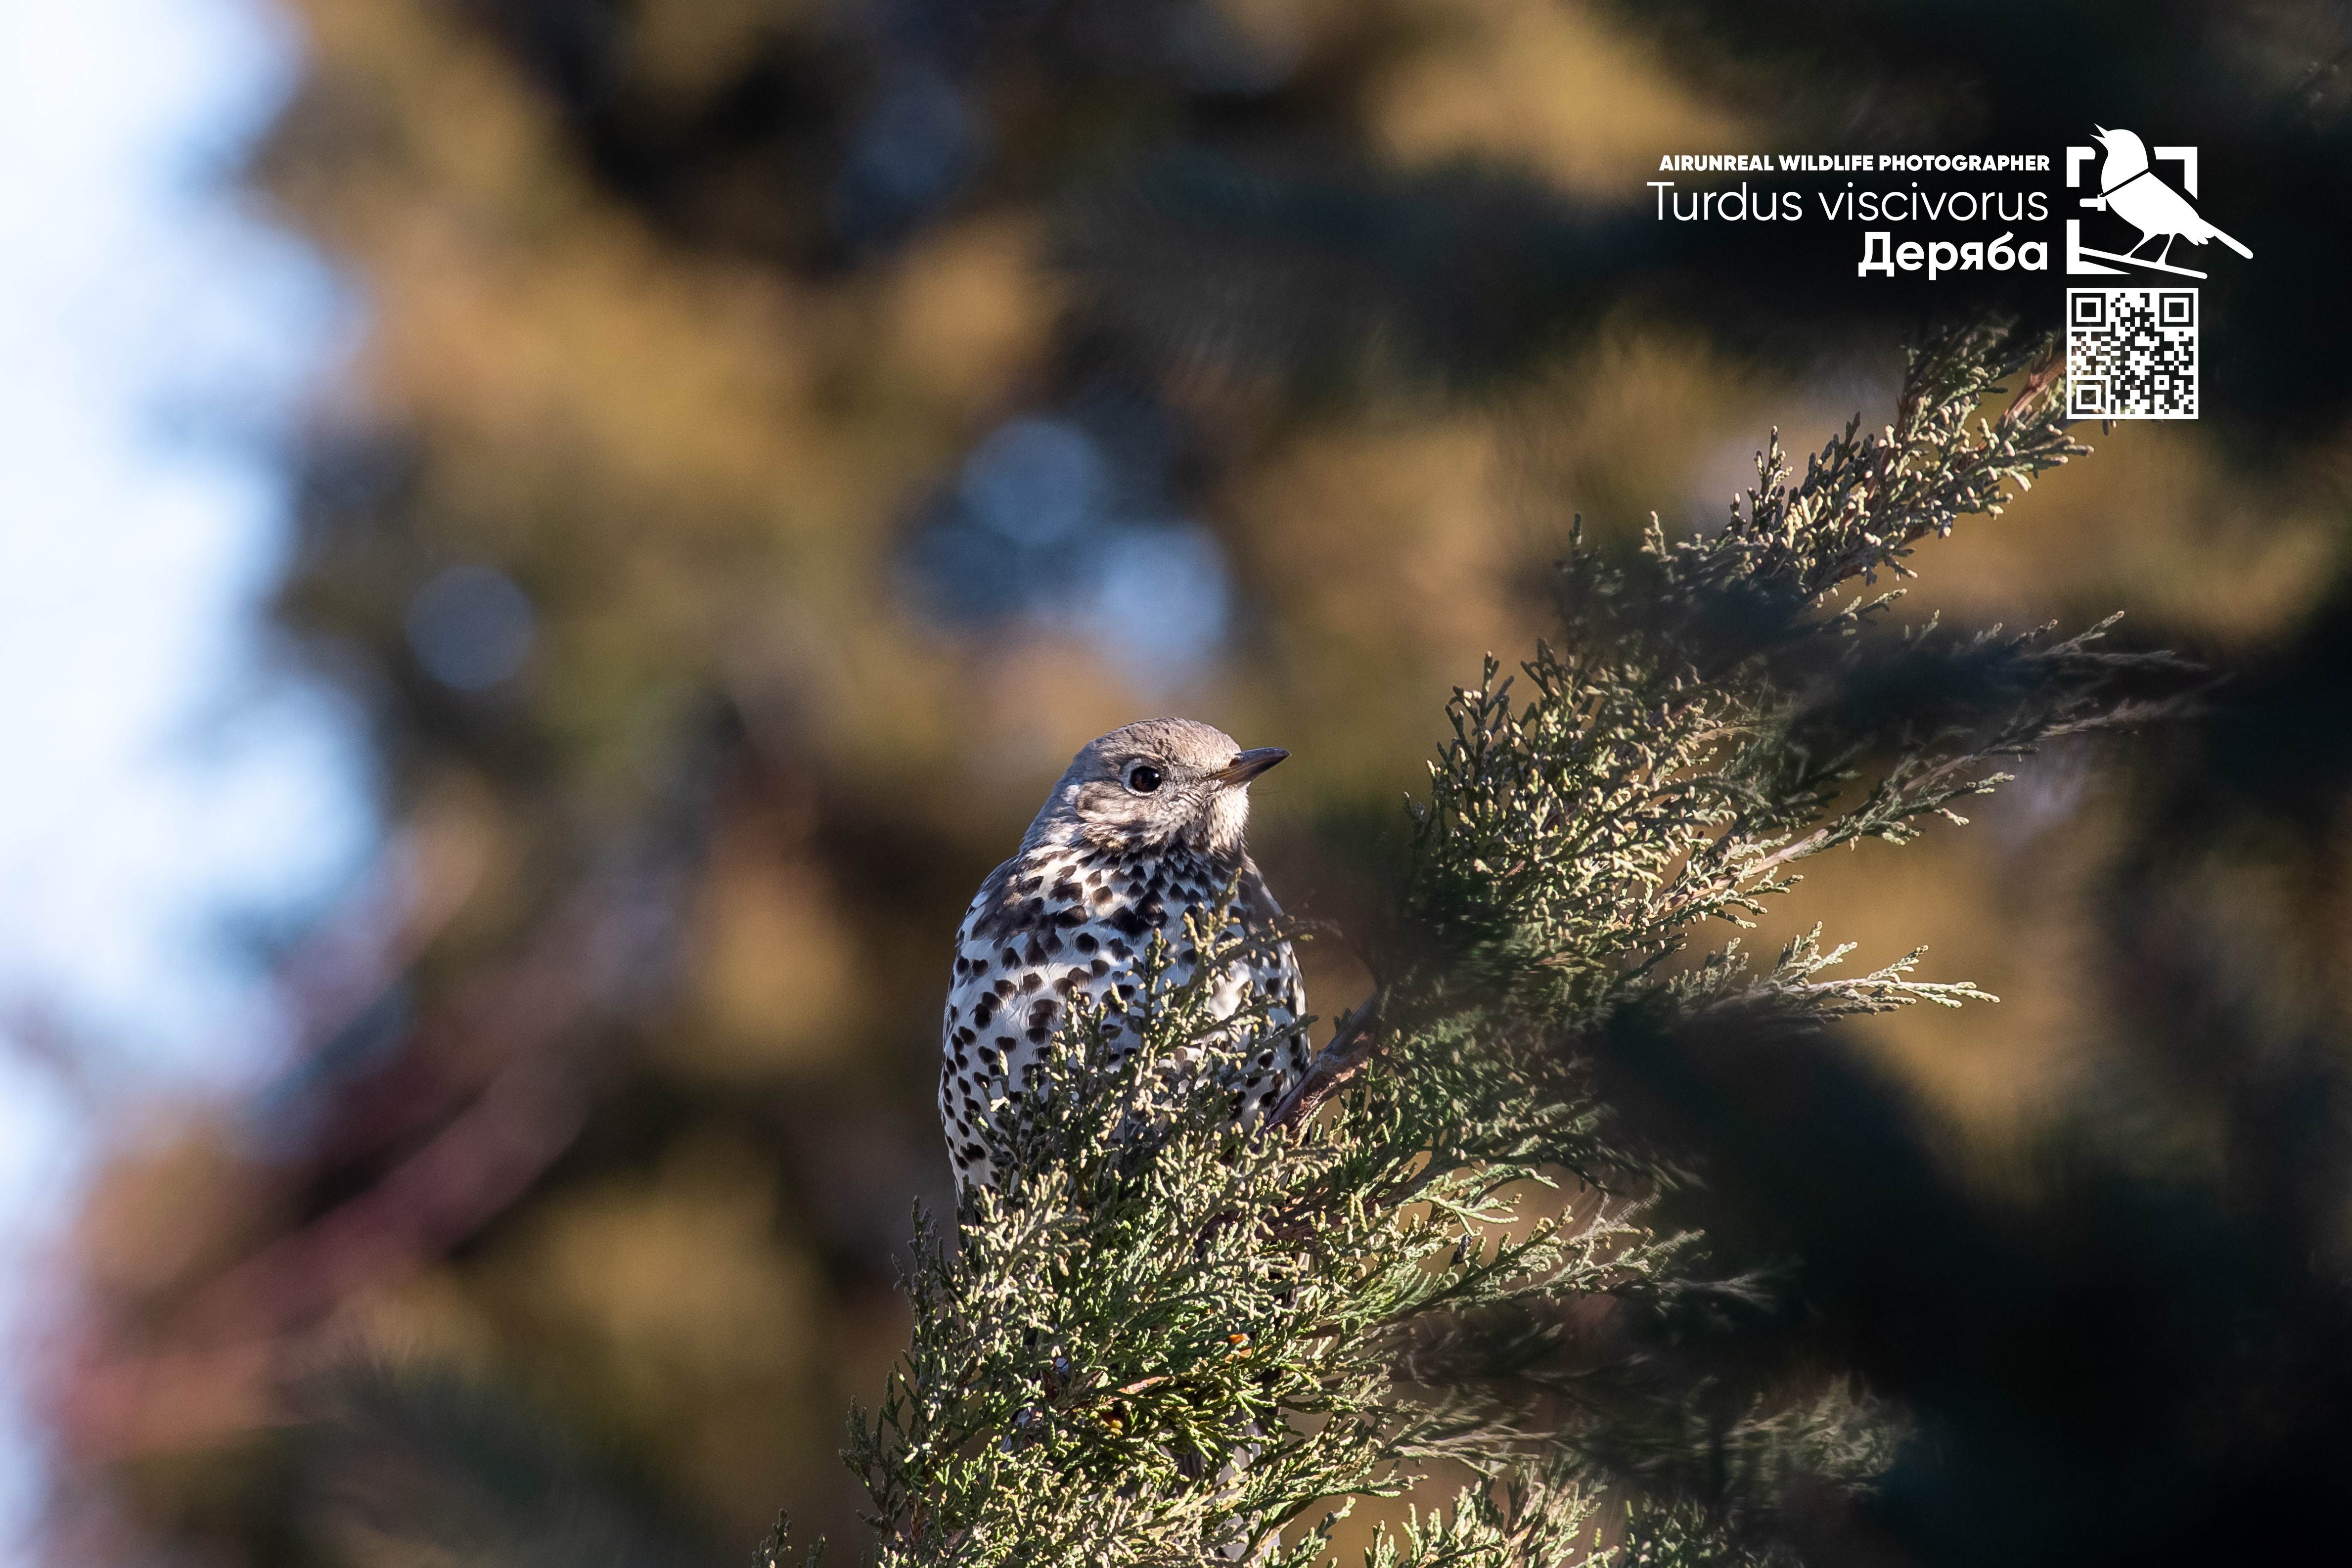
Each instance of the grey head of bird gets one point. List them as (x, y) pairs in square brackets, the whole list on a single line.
[(1153, 785)]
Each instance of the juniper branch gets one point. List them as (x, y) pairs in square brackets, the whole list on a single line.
[(1164, 1339)]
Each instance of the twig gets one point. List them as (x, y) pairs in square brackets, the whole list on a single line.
[(1351, 1045)]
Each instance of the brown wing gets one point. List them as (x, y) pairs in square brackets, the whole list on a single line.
[(1258, 910), (994, 906)]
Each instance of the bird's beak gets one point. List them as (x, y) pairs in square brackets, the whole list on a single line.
[(1249, 764)]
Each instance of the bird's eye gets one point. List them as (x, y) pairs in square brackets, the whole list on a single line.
[(1144, 778)]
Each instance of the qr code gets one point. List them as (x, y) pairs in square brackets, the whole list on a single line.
[(2131, 353)]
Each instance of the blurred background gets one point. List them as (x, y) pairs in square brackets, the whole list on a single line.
[(550, 544)]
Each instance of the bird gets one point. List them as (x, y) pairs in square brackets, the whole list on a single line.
[(2132, 191), (1145, 826)]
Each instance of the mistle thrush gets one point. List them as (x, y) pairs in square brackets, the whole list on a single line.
[(1145, 827)]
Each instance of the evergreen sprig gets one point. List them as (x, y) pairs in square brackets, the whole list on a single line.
[(1164, 1340)]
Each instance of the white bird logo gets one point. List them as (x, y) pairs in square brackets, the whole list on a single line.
[(2130, 189)]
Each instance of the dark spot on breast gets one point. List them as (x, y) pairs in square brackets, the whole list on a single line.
[(1086, 943), (1004, 987), (1189, 955), (1120, 949), (1069, 917), (1102, 966), (982, 1010), (1033, 953), (1030, 981), (979, 965), (1065, 891), (1128, 921), (1037, 1035), (1008, 958)]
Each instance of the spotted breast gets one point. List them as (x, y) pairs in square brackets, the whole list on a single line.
[(1144, 827)]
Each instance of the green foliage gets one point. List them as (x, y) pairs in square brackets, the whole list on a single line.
[(1151, 1335), (1715, 706), (1163, 1339)]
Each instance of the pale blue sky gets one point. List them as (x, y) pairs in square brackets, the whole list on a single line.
[(161, 767)]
